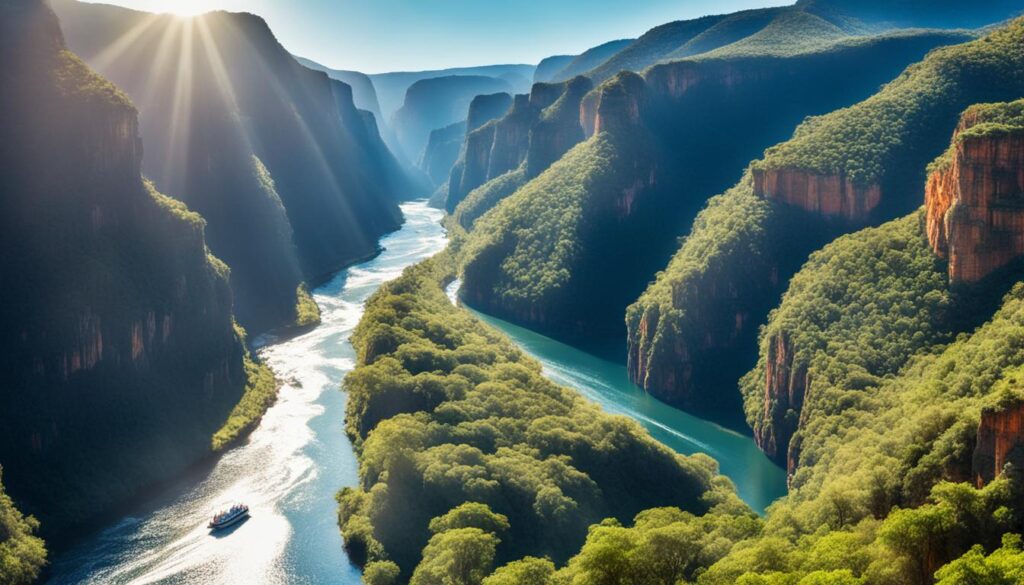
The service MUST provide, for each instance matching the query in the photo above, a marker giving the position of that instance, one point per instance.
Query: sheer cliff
(538, 129)
(121, 357)
(293, 180)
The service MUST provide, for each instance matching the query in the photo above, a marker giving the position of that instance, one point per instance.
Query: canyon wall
(835, 174)
(120, 356)
(975, 196)
(249, 133)
(537, 130)
(1000, 441)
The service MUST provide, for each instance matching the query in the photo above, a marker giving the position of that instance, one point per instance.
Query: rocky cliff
(442, 151)
(249, 128)
(831, 196)
(120, 355)
(1000, 440)
(437, 102)
(844, 168)
(538, 129)
(975, 193)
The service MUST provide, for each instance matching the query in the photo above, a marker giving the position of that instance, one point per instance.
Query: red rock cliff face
(975, 205)
(828, 195)
(1000, 441)
(614, 106)
(785, 389)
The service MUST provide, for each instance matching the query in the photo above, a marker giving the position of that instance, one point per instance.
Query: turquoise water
(291, 466)
(758, 480)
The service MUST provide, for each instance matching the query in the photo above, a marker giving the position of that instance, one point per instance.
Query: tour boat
(229, 517)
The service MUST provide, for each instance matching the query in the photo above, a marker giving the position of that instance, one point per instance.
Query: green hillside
(572, 248)
(887, 140)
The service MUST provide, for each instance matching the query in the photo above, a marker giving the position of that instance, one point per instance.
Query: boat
(229, 517)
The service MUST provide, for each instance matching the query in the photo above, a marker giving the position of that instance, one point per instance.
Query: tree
(381, 573)
(527, 571)
(1005, 566)
(470, 515)
(461, 556)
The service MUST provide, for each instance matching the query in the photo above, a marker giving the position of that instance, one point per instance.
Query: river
(296, 460)
(287, 471)
(758, 481)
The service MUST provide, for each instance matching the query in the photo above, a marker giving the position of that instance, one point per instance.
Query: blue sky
(392, 35)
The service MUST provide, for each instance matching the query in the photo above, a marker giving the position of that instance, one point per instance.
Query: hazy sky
(392, 35)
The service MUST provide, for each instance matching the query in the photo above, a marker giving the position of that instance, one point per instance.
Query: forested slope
(863, 164)
(571, 249)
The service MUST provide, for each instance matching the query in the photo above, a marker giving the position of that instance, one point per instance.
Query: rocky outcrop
(1000, 441)
(785, 389)
(537, 130)
(442, 151)
(615, 106)
(558, 128)
(834, 197)
(485, 108)
(680, 361)
(975, 200)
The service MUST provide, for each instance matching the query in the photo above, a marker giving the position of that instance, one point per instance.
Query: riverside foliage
(446, 412)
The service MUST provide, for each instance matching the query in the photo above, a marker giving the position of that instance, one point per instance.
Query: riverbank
(287, 470)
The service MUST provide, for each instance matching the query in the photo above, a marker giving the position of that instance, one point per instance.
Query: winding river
(295, 461)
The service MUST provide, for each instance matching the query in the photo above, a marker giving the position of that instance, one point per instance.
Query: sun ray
(181, 113)
(322, 164)
(119, 48)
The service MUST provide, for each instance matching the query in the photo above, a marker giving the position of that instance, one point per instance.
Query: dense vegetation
(789, 33)
(461, 437)
(521, 256)
(483, 198)
(615, 218)
(736, 247)
(22, 554)
(260, 393)
(854, 314)
(882, 140)
(896, 132)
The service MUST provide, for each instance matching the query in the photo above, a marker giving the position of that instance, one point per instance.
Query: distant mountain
(293, 180)
(392, 87)
(363, 93)
(906, 13)
(437, 102)
(550, 66)
(120, 356)
(719, 35)
(444, 146)
(589, 59)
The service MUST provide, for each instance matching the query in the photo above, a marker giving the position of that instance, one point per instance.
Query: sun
(186, 7)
